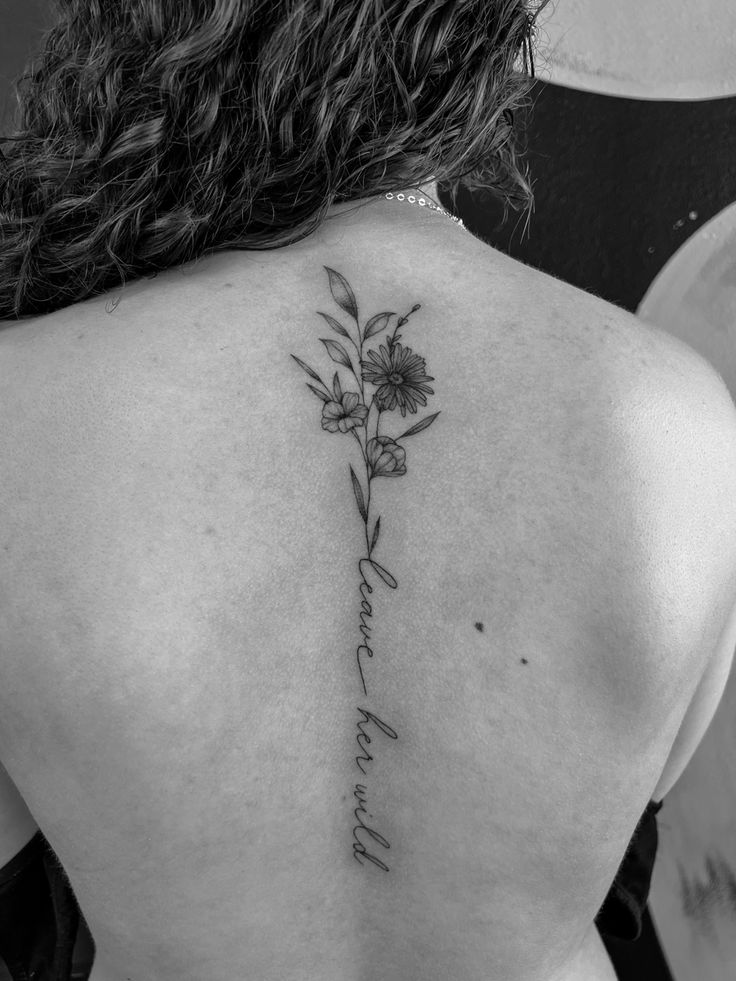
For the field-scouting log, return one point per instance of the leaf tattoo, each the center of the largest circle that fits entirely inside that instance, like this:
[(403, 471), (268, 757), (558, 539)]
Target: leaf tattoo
[(343, 294), (359, 495), (338, 353)]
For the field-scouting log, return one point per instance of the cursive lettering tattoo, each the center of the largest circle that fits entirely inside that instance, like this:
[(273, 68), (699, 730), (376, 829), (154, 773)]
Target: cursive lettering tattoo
[(367, 610), (398, 377)]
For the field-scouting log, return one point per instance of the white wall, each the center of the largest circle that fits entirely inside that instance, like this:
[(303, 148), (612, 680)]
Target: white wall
[(644, 49)]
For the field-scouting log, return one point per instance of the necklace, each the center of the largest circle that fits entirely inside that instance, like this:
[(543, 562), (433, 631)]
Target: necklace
[(423, 202)]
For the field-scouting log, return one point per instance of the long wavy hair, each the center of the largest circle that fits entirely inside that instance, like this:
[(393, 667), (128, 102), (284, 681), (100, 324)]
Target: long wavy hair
[(149, 133)]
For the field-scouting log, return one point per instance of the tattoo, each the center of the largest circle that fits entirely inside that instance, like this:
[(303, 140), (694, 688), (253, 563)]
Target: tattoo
[(399, 378), (709, 903)]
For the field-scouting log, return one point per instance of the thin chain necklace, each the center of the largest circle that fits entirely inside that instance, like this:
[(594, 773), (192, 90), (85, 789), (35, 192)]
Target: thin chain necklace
[(424, 202)]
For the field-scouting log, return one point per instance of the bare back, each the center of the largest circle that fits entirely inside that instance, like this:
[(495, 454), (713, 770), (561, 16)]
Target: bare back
[(269, 741)]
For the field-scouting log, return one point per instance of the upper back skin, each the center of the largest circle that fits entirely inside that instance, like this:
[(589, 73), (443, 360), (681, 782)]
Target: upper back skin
[(181, 697)]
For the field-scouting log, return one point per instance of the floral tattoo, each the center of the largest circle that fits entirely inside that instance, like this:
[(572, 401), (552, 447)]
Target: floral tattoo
[(400, 381)]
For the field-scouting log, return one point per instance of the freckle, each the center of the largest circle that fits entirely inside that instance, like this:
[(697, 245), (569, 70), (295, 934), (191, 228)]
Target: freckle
[(209, 530), (479, 627), (524, 660)]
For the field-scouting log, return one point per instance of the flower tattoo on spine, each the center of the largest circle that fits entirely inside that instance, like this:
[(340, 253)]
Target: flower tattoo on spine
[(400, 381)]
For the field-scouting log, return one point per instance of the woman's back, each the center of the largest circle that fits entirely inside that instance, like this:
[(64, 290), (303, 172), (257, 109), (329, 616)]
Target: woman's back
[(259, 754)]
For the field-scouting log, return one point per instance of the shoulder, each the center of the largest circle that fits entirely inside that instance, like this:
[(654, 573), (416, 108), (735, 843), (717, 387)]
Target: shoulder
[(661, 413), (672, 408), (684, 416), (679, 423), (687, 444)]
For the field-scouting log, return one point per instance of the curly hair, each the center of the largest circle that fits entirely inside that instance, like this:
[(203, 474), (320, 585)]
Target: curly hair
[(153, 132)]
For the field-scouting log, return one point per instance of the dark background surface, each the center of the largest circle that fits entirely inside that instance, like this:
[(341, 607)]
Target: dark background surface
[(620, 184)]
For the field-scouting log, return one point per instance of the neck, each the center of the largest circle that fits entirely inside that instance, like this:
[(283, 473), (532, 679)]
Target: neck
[(361, 205), (427, 187)]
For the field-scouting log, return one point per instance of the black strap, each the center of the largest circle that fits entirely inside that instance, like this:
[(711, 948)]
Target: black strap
[(623, 908), (39, 915)]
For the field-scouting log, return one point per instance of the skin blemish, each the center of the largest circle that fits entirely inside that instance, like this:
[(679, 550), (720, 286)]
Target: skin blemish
[(479, 627), (524, 660)]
